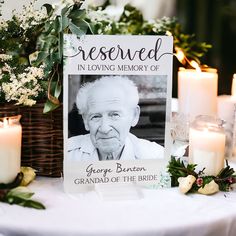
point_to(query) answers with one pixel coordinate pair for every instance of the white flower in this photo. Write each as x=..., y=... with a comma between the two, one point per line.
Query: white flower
x=100, y=31
x=186, y=183
x=5, y=57
x=23, y=87
x=98, y=15
x=209, y=188
x=29, y=102
x=30, y=16
x=107, y=28
x=3, y=24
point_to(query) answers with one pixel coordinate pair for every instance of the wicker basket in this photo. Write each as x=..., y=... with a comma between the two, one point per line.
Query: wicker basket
x=42, y=137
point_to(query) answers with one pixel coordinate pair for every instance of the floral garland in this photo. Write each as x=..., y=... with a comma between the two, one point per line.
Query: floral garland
x=189, y=181
x=31, y=58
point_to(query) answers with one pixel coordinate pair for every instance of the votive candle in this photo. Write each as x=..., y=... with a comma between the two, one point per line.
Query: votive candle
x=207, y=146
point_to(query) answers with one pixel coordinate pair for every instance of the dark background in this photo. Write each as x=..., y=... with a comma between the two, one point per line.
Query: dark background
x=213, y=22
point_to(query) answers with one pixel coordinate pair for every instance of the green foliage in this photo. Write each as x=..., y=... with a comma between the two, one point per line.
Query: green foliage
x=177, y=169
x=50, y=47
x=22, y=197
x=35, y=39
x=132, y=22
x=13, y=194
x=226, y=178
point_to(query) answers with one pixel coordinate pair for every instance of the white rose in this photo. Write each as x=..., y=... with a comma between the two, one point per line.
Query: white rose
x=209, y=188
x=186, y=183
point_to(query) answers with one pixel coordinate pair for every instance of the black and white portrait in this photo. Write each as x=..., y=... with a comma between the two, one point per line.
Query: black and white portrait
x=112, y=117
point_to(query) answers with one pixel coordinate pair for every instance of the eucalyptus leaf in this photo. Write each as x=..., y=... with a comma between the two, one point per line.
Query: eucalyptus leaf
x=48, y=26
x=64, y=22
x=65, y=10
x=42, y=55
x=77, y=30
x=60, y=45
x=77, y=14
x=57, y=25
x=55, y=57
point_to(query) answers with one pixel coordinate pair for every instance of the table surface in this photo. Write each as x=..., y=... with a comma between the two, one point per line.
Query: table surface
x=159, y=212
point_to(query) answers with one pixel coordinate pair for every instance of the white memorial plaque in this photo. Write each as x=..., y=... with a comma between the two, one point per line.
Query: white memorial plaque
x=117, y=106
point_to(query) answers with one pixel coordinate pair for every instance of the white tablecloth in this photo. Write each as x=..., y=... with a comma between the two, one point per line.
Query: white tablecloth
x=159, y=212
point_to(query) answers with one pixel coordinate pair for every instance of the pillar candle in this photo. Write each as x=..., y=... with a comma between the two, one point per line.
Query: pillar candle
x=10, y=148
x=207, y=149
x=226, y=107
x=226, y=110
x=197, y=92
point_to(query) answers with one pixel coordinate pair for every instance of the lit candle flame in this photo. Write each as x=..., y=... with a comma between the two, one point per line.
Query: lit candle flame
x=183, y=59
x=168, y=33
x=180, y=55
x=195, y=65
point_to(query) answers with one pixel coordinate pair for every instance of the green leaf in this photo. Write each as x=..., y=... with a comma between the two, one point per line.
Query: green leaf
x=177, y=169
x=24, y=202
x=21, y=196
x=64, y=22
x=42, y=55
x=55, y=57
x=21, y=192
x=48, y=26
x=207, y=180
x=49, y=106
x=85, y=25
x=65, y=10
x=79, y=31
x=57, y=90
x=33, y=204
x=77, y=14
x=57, y=25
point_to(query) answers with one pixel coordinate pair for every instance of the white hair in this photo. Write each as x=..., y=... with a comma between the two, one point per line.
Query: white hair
x=118, y=82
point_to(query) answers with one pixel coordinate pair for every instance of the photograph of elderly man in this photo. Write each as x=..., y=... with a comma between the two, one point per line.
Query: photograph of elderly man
x=109, y=108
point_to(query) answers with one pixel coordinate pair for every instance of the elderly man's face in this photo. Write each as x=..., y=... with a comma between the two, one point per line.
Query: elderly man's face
x=109, y=118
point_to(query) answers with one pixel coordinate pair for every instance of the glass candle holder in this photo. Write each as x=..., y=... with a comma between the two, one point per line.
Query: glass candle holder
x=10, y=148
x=207, y=144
